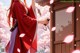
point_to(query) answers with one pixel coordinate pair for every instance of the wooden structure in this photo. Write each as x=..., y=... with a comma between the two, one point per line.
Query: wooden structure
x=43, y=2
x=66, y=24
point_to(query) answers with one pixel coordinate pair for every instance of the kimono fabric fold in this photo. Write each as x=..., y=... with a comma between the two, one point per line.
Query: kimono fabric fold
x=23, y=38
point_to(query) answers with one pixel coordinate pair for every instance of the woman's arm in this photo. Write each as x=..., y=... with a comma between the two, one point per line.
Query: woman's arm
x=21, y=15
x=24, y=18
x=44, y=21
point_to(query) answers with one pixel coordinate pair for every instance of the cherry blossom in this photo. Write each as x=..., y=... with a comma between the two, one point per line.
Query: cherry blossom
x=44, y=35
x=47, y=50
x=4, y=27
x=43, y=31
x=76, y=51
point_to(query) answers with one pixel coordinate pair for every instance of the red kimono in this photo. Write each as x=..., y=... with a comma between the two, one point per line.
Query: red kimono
x=26, y=25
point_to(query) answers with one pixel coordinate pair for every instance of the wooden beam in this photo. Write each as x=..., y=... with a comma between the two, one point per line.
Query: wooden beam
x=52, y=33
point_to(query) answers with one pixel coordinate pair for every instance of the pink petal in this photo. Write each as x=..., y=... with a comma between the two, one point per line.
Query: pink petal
x=70, y=9
x=76, y=51
x=69, y=39
x=79, y=5
x=53, y=29
x=22, y=35
x=18, y=50
x=51, y=1
x=77, y=19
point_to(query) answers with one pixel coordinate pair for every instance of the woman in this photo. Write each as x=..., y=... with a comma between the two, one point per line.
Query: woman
x=24, y=27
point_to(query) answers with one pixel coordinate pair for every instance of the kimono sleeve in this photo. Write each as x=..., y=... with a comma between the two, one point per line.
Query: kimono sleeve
x=22, y=16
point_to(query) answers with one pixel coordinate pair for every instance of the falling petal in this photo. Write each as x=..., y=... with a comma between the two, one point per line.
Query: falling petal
x=75, y=45
x=69, y=39
x=51, y=11
x=18, y=50
x=79, y=5
x=77, y=19
x=22, y=35
x=51, y=1
x=54, y=28
x=76, y=51
x=70, y=9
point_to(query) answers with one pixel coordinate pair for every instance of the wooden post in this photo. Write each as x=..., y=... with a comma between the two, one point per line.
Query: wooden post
x=75, y=25
x=52, y=33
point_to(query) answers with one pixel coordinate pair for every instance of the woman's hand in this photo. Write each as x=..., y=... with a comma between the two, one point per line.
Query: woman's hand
x=44, y=21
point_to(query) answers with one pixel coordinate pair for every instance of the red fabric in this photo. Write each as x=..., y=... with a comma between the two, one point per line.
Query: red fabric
x=6, y=49
x=33, y=48
x=34, y=44
x=27, y=25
